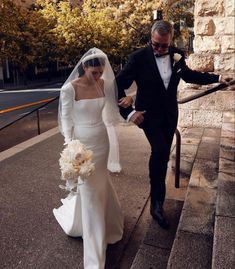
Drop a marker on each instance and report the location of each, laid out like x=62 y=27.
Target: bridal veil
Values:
x=110 y=112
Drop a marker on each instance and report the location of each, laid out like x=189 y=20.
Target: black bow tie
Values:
x=161 y=55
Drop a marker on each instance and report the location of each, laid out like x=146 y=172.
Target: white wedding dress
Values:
x=95 y=213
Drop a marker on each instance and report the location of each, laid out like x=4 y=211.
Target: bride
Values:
x=87 y=106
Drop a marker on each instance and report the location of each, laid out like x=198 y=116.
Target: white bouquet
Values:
x=75 y=162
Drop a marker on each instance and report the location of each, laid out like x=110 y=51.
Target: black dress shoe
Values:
x=157 y=213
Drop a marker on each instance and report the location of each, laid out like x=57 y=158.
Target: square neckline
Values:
x=84 y=98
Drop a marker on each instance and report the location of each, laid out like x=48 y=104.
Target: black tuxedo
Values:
x=160 y=104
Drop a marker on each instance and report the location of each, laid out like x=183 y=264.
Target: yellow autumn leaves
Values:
x=52 y=31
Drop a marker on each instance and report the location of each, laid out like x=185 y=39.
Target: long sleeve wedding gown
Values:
x=94 y=213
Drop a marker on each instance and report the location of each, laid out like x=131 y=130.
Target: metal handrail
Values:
x=177 y=133
x=177 y=158
x=30 y=112
x=209 y=91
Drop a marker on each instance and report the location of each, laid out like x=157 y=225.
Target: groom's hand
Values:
x=225 y=79
x=138 y=117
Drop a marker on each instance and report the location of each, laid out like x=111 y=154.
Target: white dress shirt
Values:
x=164 y=67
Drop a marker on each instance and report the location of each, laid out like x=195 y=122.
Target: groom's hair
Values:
x=163 y=28
x=90 y=63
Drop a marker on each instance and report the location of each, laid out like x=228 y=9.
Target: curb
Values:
x=28 y=143
x=32 y=86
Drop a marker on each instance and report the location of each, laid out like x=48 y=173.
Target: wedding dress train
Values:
x=95 y=213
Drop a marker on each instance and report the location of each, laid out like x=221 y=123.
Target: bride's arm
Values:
x=65 y=112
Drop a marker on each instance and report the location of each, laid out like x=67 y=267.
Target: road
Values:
x=15 y=104
x=11 y=101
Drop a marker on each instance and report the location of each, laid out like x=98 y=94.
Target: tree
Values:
x=133 y=19
x=9 y=30
x=56 y=30
x=79 y=28
x=180 y=12
x=25 y=36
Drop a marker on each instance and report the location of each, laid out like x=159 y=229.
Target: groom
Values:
x=157 y=70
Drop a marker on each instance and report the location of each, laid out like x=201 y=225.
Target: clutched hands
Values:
x=125 y=101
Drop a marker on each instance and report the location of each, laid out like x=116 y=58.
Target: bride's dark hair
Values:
x=90 y=63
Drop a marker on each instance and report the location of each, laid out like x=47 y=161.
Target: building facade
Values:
x=214 y=51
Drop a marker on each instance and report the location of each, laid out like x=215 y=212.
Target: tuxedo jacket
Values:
x=152 y=96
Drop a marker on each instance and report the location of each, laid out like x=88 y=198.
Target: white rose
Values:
x=177 y=57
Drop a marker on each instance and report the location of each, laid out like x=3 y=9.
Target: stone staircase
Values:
x=193 y=242
x=203 y=230
x=223 y=255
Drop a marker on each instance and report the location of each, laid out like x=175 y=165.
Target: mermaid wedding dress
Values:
x=94 y=213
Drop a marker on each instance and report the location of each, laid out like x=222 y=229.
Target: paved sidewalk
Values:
x=30 y=236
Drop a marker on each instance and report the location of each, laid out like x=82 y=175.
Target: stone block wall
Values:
x=214 y=51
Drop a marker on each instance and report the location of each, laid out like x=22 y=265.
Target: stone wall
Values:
x=214 y=47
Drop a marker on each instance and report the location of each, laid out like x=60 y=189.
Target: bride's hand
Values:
x=125 y=101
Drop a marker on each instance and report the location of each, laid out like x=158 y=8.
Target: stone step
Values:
x=156 y=246
x=192 y=247
x=190 y=139
x=224 y=233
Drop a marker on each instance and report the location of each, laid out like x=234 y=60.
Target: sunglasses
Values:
x=159 y=45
